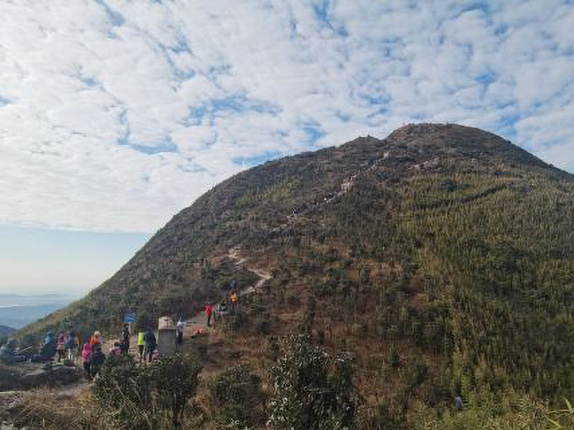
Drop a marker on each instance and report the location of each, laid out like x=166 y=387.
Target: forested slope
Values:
x=444 y=247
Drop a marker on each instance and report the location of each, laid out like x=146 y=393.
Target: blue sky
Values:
x=38 y=260
x=114 y=114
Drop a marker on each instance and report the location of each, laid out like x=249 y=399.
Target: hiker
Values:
x=48 y=349
x=87 y=358
x=72 y=347
x=141 y=343
x=458 y=403
x=126 y=339
x=179 y=329
x=233 y=299
x=233 y=285
x=50 y=339
x=96 y=340
x=221 y=310
x=208 y=312
x=150 y=344
x=116 y=350
x=98 y=359
x=9 y=355
x=61 y=347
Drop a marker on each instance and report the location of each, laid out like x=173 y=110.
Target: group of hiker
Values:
x=67 y=347
x=222 y=307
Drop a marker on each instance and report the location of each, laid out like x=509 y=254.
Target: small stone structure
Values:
x=166 y=336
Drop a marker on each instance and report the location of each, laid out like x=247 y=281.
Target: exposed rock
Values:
x=54 y=376
x=27 y=376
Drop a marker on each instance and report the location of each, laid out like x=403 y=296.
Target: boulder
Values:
x=51 y=376
x=28 y=375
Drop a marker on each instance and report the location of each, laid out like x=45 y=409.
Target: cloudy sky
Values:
x=116 y=114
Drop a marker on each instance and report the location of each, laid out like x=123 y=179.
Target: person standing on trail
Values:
x=61 y=347
x=179 y=328
x=98 y=359
x=116 y=350
x=233 y=285
x=209 y=313
x=458 y=403
x=96 y=340
x=223 y=306
x=150 y=344
x=141 y=343
x=233 y=299
x=126 y=339
x=87 y=358
x=220 y=311
x=72 y=347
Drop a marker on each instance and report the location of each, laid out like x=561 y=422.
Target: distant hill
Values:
x=5 y=330
x=446 y=247
x=18 y=310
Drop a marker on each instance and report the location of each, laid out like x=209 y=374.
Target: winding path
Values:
x=240 y=261
x=199 y=321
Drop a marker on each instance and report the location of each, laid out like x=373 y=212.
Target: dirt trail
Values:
x=240 y=261
x=198 y=323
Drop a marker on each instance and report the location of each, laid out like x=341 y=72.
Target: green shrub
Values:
x=141 y=397
x=273 y=348
x=237 y=320
x=124 y=391
x=175 y=379
x=312 y=389
x=237 y=395
x=395 y=359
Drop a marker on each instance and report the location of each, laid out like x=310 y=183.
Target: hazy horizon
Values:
x=38 y=261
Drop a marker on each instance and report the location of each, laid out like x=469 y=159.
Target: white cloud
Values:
x=116 y=114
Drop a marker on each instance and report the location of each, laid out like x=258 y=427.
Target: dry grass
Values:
x=45 y=409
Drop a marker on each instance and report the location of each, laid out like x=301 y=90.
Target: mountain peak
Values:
x=463 y=141
x=453 y=134
x=419 y=243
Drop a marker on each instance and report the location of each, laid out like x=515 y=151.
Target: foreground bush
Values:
x=313 y=390
x=512 y=413
x=125 y=391
x=140 y=397
x=237 y=397
x=175 y=380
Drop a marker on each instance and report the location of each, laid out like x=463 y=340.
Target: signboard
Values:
x=130 y=317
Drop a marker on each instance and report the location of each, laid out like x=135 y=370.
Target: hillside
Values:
x=444 y=245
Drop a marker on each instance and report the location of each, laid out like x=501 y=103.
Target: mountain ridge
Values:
x=405 y=137
x=5 y=330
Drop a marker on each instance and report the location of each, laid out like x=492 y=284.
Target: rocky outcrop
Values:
x=28 y=376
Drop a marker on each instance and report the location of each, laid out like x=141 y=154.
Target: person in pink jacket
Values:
x=87 y=357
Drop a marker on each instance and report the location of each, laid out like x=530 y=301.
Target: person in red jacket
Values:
x=209 y=312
